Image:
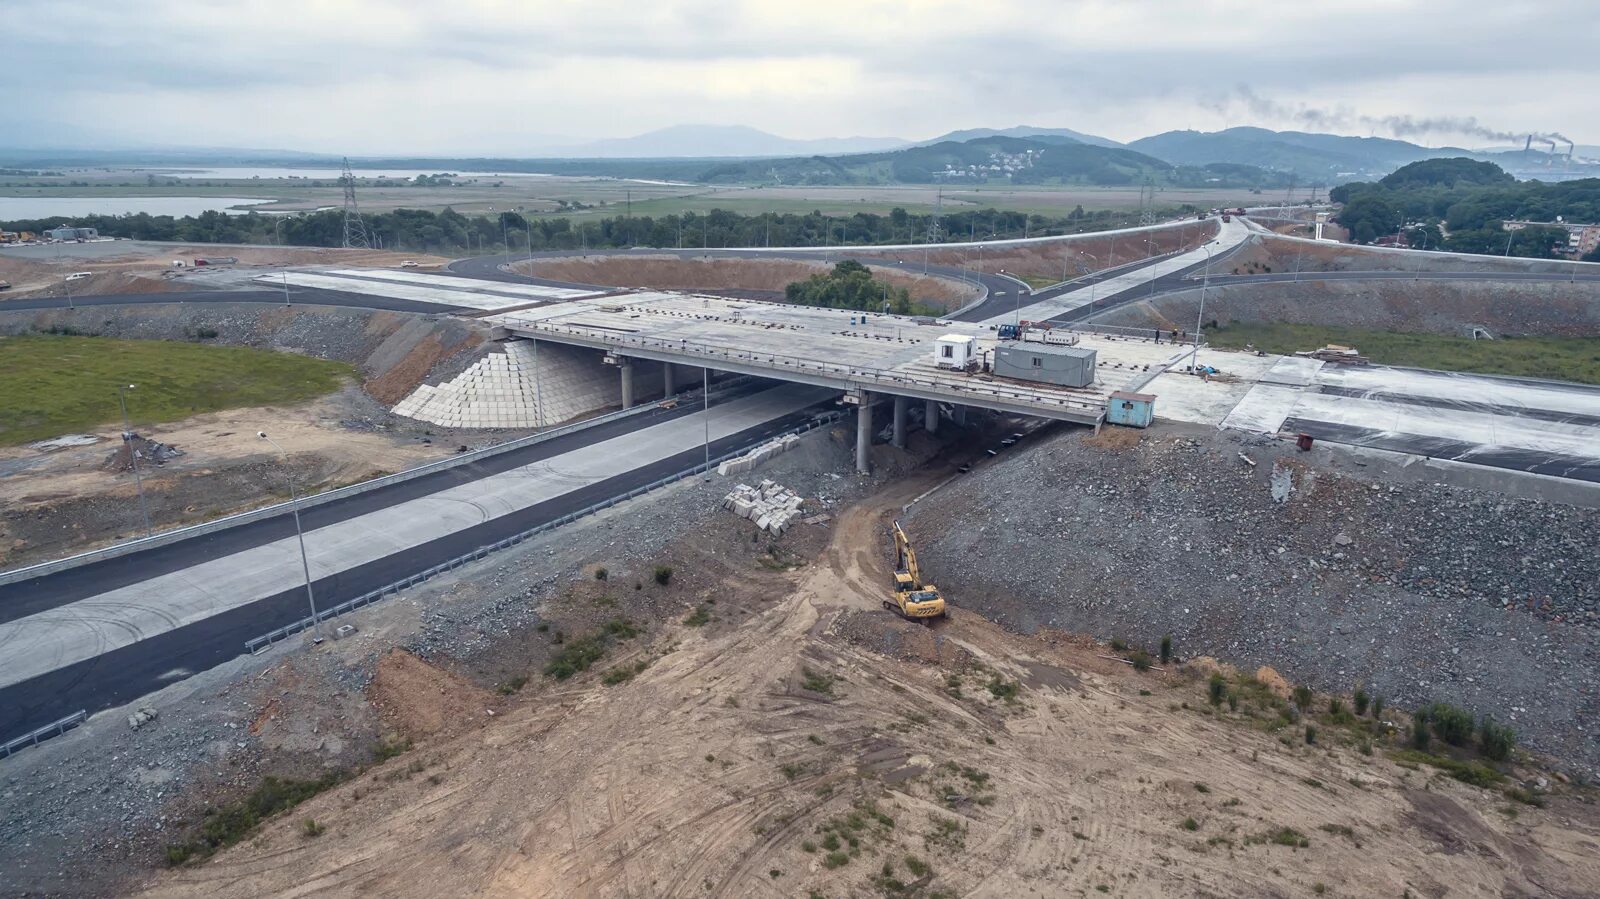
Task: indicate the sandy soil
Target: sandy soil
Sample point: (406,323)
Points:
(772,275)
(56,501)
(819,744)
(1050,260)
(147,268)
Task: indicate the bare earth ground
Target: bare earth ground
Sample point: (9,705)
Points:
(55,502)
(1058,260)
(138,267)
(768,275)
(804,742)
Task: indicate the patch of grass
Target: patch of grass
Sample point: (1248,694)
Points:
(1339,830)
(311,828)
(1361,700)
(700,617)
(793,770)
(1216,689)
(576,656)
(1525,796)
(952,685)
(621,674)
(817,681)
(59,384)
(663,574)
(947,835)
(1452,724)
(621,628)
(1119,645)
(231,823)
(1190,824)
(1283,836)
(917,866)
(1140,660)
(1004,689)
(513,685)
(388,748)
(816,740)
(1496,740)
(1475,773)
(1563,358)
(1201,788)
(601,574)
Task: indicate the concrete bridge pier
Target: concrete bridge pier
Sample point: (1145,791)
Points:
(864,434)
(930,417)
(625,366)
(902,406)
(668,382)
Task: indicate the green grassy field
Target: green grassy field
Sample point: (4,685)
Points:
(55,384)
(1561,358)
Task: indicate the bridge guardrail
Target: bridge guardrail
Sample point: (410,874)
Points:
(256,644)
(32,737)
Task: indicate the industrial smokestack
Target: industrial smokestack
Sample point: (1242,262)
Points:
(1529,145)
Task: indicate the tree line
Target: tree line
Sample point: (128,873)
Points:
(452,233)
(1460,205)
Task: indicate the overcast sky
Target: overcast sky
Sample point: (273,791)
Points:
(510,76)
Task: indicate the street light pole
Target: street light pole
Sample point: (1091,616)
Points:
(705,398)
(299,532)
(1194,359)
(133,455)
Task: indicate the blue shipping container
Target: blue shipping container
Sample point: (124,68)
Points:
(1134,410)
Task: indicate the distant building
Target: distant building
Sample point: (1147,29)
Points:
(1581,238)
(67,233)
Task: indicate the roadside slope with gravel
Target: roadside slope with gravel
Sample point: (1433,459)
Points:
(1365,575)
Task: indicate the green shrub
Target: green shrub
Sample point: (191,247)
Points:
(1004,689)
(1496,740)
(621,628)
(1141,660)
(1118,644)
(699,617)
(835,860)
(231,823)
(1420,737)
(1377,706)
(663,574)
(1233,701)
(311,828)
(1216,688)
(575,657)
(1335,707)
(1190,824)
(601,574)
(1454,725)
(1361,701)
(1311,734)
(1303,697)
(1166,649)
(1474,773)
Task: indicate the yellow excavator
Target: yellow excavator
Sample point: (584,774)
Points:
(912,598)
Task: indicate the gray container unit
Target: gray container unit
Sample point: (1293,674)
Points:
(1068,366)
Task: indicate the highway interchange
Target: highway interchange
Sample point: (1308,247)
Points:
(133,669)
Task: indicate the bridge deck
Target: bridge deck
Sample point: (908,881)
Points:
(883,353)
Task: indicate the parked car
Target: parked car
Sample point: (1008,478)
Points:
(79,276)
(409,263)
(5,285)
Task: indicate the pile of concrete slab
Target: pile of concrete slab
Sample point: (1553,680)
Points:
(772,507)
(758,455)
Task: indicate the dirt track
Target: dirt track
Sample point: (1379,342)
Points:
(820,744)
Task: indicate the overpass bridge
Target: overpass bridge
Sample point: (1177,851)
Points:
(866,357)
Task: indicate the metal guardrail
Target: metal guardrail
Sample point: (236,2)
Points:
(195,530)
(849,373)
(32,738)
(256,644)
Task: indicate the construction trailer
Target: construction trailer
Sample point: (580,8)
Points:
(1066,366)
(1133,410)
(956,351)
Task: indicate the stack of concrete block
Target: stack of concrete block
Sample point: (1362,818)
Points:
(760,454)
(772,507)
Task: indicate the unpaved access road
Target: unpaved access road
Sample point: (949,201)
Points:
(821,746)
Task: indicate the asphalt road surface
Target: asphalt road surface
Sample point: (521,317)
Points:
(125,673)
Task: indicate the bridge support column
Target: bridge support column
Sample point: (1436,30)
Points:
(626,368)
(667,380)
(901,407)
(930,417)
(864,434)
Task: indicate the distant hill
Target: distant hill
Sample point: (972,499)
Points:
(1050,159)
(1022,131)
(715,141)
(1313,156)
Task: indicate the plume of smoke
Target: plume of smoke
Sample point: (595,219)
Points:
(1403,126)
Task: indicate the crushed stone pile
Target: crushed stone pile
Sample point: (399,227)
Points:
(758,455)
(771,506)
(150,452)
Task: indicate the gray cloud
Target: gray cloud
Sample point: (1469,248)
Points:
(485,76)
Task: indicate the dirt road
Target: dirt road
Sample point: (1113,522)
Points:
(821,746)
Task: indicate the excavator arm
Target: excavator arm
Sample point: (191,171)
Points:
(912,598)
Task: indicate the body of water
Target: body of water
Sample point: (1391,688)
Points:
(246,174)
(14,208)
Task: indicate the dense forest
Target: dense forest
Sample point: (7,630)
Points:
(1459,204)
(451,233)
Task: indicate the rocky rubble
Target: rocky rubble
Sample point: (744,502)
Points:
(1418,590)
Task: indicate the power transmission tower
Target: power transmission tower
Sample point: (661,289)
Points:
(355,230)
(1147,202)
(933,230)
